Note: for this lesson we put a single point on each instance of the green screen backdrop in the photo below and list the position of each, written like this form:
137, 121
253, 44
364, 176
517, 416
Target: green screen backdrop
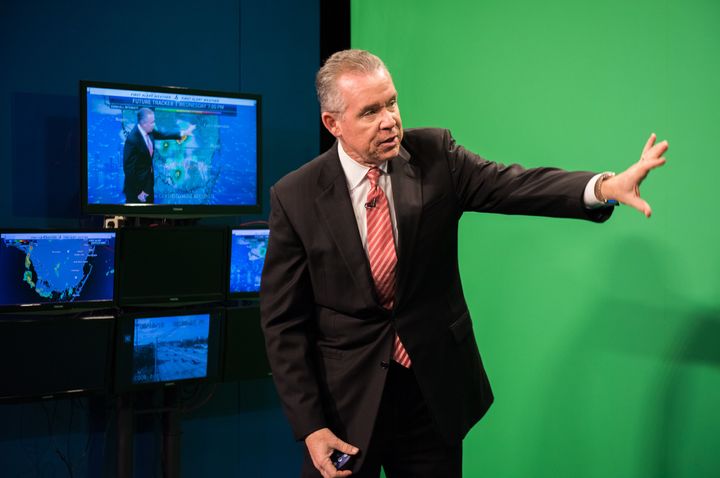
602, 342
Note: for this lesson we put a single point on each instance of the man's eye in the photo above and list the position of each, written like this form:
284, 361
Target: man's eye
368, 113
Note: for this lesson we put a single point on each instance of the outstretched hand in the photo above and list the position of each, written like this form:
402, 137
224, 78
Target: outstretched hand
188, 131
320, 444
625, 187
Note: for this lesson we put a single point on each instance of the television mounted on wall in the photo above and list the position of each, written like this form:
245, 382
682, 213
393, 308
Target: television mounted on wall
169, 152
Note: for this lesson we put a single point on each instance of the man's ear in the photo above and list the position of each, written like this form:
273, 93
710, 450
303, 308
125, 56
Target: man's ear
331, 123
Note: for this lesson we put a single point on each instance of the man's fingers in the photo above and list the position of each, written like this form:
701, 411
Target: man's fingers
328, 470
648, 144
656, 151
645, 166
345, 447
639, 204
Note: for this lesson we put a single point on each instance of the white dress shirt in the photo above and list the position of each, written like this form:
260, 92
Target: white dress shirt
359, 185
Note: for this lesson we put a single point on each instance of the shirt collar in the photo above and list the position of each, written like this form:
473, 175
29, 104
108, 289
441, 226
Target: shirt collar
354, 171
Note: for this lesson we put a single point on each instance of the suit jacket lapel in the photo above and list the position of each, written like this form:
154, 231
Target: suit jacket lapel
407, 196
337, 212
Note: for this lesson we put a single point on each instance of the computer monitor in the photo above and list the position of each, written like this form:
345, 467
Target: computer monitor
47, 356
56, 270
167, 266
247, 257
166, 151
167, 348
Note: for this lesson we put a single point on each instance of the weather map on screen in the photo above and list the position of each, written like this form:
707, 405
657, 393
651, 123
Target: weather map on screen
247, 257
56, 268
170, 348
197, 150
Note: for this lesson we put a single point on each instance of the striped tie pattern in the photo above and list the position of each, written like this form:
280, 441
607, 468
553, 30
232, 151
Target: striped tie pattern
149, 144
381, 253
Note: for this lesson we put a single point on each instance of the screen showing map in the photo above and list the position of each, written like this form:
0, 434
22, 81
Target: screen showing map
247, 256
193, 149
170, 348
56, 268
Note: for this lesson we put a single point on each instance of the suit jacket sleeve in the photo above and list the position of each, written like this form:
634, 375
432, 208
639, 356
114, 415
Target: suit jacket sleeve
485, 186
163, 134
288, 312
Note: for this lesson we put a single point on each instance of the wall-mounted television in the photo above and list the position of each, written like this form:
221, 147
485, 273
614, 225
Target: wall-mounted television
56, 270
161, 349
247, 257
167, 151
167, 266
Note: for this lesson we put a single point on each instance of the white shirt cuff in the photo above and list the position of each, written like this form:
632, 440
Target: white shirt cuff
591, 202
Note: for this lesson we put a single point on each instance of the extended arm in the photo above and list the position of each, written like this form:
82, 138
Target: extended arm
486, 186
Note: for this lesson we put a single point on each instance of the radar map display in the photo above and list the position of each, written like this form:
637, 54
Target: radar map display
56, 268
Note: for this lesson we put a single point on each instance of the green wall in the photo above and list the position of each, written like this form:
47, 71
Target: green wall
602, 341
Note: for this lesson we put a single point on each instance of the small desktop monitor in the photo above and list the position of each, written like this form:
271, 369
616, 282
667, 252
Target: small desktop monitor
168, 266
247, 257
163, 349
46, 356
56, 270
166, 151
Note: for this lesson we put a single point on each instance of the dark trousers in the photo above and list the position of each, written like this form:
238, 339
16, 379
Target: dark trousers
405, 442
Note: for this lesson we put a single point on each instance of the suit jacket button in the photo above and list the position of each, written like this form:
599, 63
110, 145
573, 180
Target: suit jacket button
384, 364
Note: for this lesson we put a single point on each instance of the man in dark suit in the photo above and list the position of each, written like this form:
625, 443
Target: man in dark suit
367, 330
138, 155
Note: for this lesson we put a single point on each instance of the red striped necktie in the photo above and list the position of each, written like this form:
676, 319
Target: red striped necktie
149, 143
381, 253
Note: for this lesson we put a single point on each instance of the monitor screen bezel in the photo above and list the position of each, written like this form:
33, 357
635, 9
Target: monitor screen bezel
165, 210
124, 351
65, 306
124, 300
241, 295
62, 321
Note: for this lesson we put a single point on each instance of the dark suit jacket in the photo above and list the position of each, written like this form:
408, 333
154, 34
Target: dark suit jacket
328, 339
137, 164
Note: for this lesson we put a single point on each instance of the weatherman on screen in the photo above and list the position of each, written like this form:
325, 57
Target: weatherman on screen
138, 154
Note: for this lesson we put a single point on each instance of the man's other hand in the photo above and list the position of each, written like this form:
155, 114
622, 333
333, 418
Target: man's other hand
188, 131
320, 444
625, 187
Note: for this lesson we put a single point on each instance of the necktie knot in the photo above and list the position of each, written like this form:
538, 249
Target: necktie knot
373, 174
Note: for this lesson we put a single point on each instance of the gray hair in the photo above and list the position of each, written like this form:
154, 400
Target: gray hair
143, 113
341, 62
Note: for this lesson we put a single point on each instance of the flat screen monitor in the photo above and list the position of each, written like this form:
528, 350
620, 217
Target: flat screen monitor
167, 348
167, 266
247, 257
49, 356
56, 270
167, 151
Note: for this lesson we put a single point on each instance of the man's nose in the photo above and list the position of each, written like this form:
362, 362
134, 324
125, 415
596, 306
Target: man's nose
387, 119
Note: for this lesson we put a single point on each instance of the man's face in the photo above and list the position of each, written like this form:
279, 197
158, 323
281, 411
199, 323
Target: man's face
148, 124
370, 128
